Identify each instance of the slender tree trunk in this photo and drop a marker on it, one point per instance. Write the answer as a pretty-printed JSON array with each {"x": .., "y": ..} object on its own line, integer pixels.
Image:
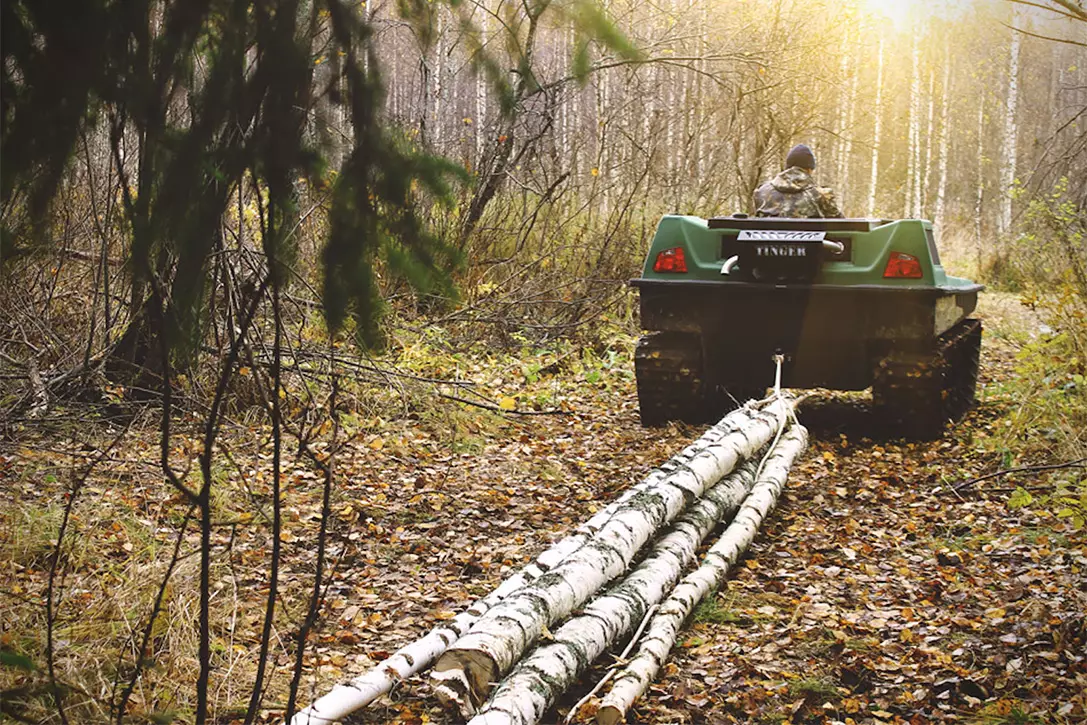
[
  {"x": 945, "y": 119},
  {"x": 603, "y": 157},
  {"x": 980, "y": 196},
  {"x": 873, "y": 182},
  {"x": 847, "y": 142},
  {"x": 1011, "y": 134},
  {"x": 922, "y": 199},
  {"x": 479, "y": 123},
  {"x": 843, "y": 102},
  {"x": 437, "y": 120},
  {"x": 914, "y": 135}
]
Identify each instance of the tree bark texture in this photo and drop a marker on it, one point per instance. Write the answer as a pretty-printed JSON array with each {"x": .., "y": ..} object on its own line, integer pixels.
[
  {"x": 418, "y": 655},
  {"x": 1011, "y": 136},
  {"x": 945, "y": 117},
  {"x": 541, "y": 677},
  {"x": 913, "y": 171},
  {"x": 878, "y": 111},
  {"x": 664, "y": 627},
  {"x": 465, "y": 674}
]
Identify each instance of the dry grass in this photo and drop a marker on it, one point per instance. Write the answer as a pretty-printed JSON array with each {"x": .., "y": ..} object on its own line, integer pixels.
[{"x": 126, "y": 519}]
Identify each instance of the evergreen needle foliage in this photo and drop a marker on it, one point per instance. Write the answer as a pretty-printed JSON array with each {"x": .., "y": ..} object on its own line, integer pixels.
[{"x": 213, "y": 95}]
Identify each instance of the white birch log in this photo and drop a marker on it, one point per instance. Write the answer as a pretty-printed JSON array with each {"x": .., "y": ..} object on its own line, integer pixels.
[
  {"x": 665, "y": 625},
  {"x": 541, "y": 677},
  {"x": 419, "y": 654},
  {"x": 466, "y": 672}
]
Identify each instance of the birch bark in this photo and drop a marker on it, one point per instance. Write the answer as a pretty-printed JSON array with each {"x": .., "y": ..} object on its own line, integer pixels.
[
  {"x": 417, "y": 655},
  {"x": 839, "y": 131},
  {"x": 980, "y": 196},
  {"x": 913, "y": 155},
  {"x": 541, "y": 677},
  {"x": 479, "y": 123},
  {"x": 466, "y": 672},
  {"x": 874, "y": 176},
  {"x": 941, "y": 184},
  {"x": 1011, "y": 134},
  {"x": 660, "y": 636},
  {"x": 441, "y": 90},
  {"x": 844, "y": 195},
  {"x": 922, "y": 197}
]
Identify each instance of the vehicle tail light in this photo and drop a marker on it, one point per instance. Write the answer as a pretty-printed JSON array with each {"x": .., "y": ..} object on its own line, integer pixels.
[
  {"x": 903, "y": 266},
  {"x": 671, "y": 260}
]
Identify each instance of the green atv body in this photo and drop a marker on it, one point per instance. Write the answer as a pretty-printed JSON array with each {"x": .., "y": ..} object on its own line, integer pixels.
[{"x": 850, "y": 303}]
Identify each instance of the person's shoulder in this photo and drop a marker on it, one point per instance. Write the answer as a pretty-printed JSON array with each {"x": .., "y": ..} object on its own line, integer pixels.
[{"x": 827, "y": 201}]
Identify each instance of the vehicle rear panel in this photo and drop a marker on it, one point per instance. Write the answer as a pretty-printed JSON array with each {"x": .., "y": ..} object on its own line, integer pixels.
[{"x": 832, "y": 329}]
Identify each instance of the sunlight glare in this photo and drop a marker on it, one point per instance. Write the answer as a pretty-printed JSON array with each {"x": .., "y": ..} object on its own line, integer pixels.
[{"x": 897, "y": 11}]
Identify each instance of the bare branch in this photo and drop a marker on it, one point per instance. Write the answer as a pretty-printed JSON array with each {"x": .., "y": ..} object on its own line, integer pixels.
[{"x": 1044, "y": 37}]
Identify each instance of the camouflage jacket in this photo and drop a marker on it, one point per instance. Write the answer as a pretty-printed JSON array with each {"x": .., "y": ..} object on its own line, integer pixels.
[{"x": 792, "y": 193}]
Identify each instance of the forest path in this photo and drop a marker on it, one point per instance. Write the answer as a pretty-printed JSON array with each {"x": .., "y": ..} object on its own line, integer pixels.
[
  {"x": 876, "y": 592},
  {"x": 884, "y": 590}
]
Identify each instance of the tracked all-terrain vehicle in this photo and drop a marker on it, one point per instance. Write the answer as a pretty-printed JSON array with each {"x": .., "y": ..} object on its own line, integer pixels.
[{"x": 851, "y": 303}]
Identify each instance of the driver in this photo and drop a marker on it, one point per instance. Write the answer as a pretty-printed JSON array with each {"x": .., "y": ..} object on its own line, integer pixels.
[{"x": 793, "y": 193}]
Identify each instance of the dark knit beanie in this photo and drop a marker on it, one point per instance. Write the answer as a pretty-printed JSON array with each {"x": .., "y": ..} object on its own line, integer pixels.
[{"x": 800, "y": 156}]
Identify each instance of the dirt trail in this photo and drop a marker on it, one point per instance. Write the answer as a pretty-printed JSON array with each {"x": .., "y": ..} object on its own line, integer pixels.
[{"x": 877, "y": 592}]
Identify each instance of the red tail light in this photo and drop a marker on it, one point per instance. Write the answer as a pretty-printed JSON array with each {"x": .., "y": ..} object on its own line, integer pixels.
[
  {"x": 671, "y": 260},
  {"x": 903, "y": 266}
]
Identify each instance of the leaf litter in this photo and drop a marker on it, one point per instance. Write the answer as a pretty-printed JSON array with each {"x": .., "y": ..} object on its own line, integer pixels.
[{"x": 875, "y": 594}]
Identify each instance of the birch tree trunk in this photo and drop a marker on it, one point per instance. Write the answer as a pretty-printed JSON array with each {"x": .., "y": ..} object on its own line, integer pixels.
[
  {"x": 1011, "y": 134},
  {"x": 540, "y": 678},
  {"x": 922, "y": 198},
  {"x": 847, "y": 143},
  {"x": 479, "y": 123},
  {"x": 839, "y": 131},
  {"x": 980, "y": 197},
  {"x": 913, "y": 155},
  {"x": 417, "y": 655},
  {"x": 660, "y": 636},
  {"x": 945, "y": 105},
  {"x": 874, "y": 176},
  {"x": 603, "y": 157},
  {"x": 466, "y": 672}
]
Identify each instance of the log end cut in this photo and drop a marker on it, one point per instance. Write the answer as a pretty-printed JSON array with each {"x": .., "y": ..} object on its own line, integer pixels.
[
  {"x": 463, "y": 679},
  {"x": 609, "y": 715}
]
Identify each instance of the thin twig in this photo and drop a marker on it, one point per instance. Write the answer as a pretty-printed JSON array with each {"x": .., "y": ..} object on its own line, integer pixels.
[
  {"x": 1044, "y": 37},
  {"x": 54, "y": 566},
  {"x": 499, "y": 409},
  {"x": 316, "y": 597},
  {"x": 620, "y": 661},
  {"x": 142, "y": 656},
  {"x": 1078, "y": 463}
]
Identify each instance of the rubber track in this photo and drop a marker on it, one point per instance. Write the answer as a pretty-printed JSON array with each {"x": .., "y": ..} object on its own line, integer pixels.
[
  {"x": 668, "y": 368},
  {"x": 916, "y": 395}
]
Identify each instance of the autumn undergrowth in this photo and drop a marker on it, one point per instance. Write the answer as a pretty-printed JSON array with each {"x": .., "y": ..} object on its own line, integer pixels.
[
  {"x": 1044, "y": 400},
  {"x": 437, "y": 392}
]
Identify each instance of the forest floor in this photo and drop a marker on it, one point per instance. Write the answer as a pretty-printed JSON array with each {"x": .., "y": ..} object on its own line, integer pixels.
[{"x": 885, "y": 588}]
